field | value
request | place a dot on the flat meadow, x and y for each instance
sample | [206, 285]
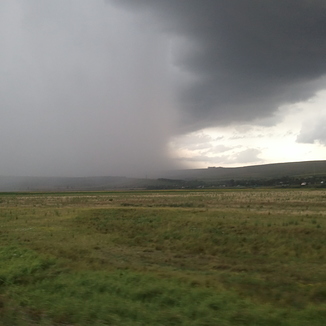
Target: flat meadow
[159, 258]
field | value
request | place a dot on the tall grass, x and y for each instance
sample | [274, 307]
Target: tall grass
[163, 258]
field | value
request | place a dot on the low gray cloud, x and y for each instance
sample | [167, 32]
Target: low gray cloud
[250, 155]
[312, 132]
[244, 156]
[220, 149]
[245, 57]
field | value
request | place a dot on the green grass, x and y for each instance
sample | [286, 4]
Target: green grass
[253, 257]
[47, 294]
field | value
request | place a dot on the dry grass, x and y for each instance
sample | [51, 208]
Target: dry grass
[264, 248]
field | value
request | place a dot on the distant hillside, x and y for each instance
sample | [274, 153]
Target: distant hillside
[64, 183]
[266, 175]
[267, 171]
[22, 184]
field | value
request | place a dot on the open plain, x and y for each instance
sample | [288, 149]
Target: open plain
[200, 257]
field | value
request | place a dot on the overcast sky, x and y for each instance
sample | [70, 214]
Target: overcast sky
[132, 87]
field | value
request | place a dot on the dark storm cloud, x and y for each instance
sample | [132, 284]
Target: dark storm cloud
[88, 88]
[244, 58]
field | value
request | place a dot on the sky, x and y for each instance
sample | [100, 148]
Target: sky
[135, 87]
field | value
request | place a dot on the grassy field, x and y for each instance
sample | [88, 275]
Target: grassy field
[220, 257]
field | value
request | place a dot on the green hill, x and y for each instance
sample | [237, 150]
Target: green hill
[277, 170]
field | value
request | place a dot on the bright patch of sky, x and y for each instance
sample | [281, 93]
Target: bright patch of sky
[294, 136]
